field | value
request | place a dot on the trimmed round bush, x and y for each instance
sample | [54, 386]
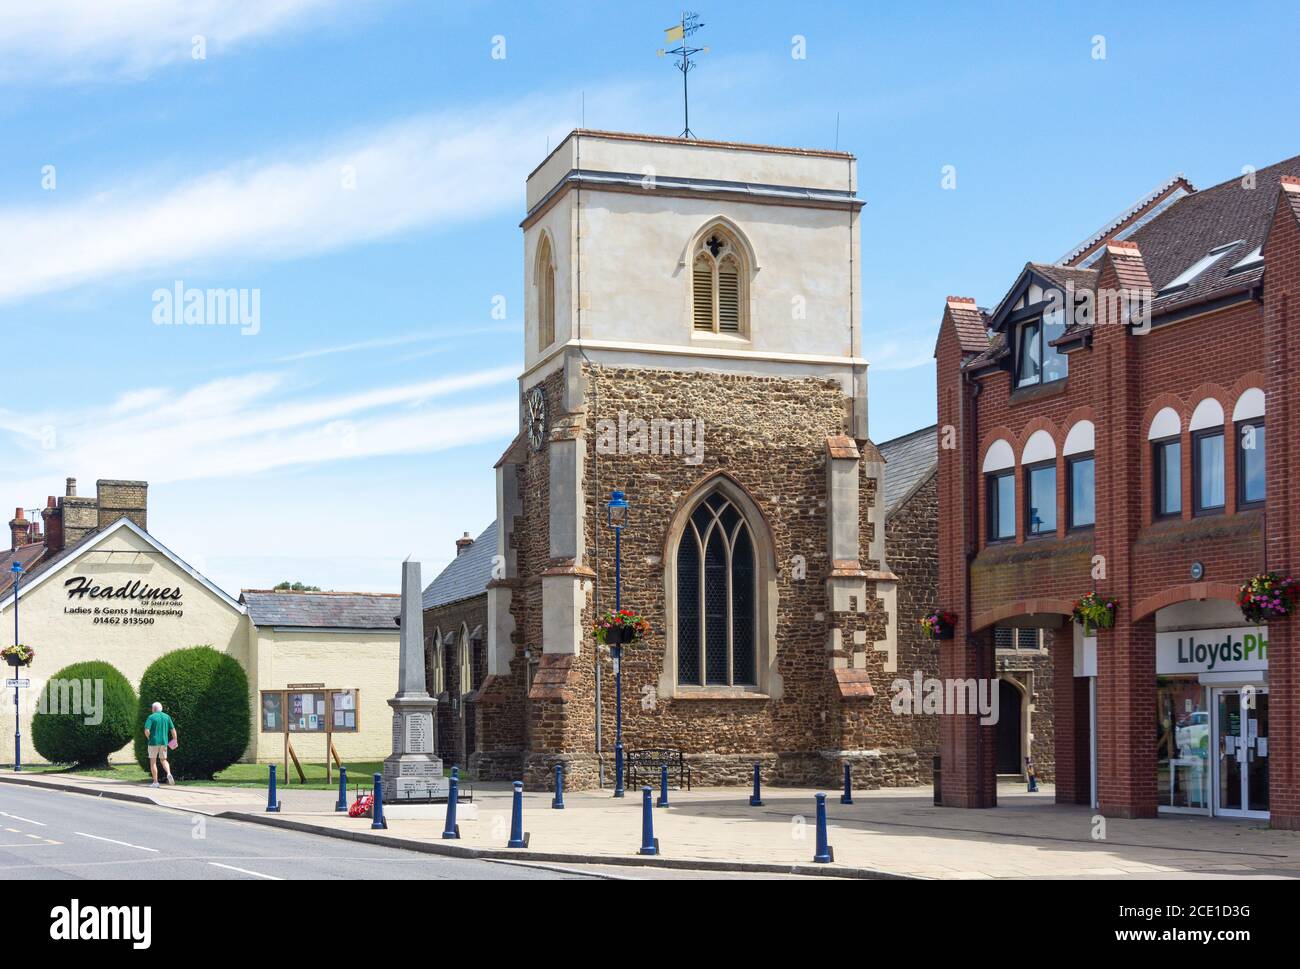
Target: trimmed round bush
[85, 712]
[206, 694]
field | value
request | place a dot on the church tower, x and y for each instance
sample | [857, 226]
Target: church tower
[693, 339]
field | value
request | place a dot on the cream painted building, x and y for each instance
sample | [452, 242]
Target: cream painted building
[118, 595]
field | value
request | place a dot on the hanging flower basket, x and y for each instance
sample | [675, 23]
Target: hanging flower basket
[1094, 611]
[620, 628]
[19, 655]
[1268, 596]
[938, 624]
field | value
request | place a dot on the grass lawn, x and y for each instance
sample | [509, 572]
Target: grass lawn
[237, 775]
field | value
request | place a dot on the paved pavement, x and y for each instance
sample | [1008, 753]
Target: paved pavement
[48, 834]
[891, 833]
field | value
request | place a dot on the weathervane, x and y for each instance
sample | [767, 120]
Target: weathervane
[690, 24]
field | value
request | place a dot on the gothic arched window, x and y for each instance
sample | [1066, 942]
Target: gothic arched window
[718, 284]
[435, 677]
[544, 280]
[717, 597]
[465, 676]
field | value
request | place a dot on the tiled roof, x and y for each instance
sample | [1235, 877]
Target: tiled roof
[997, 349]
[908, 461]
[1127, 221]
[970, 324]
[1066, 275]
[28, 555]
[323, 610]
[467, 575]
[1225, 213]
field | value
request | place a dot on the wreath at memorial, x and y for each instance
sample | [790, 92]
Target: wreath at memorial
[1268, 596]
[19, 655]
[938, 624]
[1094, 612]
[619, 628]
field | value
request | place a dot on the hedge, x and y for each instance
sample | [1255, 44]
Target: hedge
[61, 732]
[206, 694]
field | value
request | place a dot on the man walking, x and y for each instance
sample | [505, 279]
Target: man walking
[159, 730]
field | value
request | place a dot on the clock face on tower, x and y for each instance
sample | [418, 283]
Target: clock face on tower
[535, 418]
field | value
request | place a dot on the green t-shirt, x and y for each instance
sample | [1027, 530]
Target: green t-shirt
[160, 728]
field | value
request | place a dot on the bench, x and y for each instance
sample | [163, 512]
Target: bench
[643, 767]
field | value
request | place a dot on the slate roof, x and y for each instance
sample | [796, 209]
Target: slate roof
[323, 610]
[1198, 223]
[28, 555]
[909, 460]
[467, 575]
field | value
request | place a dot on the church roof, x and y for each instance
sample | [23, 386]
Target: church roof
[909, 462]
[467, 575]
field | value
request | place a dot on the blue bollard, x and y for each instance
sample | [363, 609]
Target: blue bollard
[377, 814]
[451, 830]
[847, 796]
[272, 802]
[517, 837]
[825, 853]
[663, 786]
[455, 771]
[343, 790]
[557, 802]
[649, 843]
[756, 799]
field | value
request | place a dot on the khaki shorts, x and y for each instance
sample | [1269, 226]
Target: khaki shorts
[157, 750]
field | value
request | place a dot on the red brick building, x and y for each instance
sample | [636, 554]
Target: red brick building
[1103, 427]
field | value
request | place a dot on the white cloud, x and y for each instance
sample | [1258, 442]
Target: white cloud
[430, 170]
[81, 39]
[898, 349]
[240, 426]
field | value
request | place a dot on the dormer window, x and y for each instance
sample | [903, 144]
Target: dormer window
[1037, 361]
[718, 285]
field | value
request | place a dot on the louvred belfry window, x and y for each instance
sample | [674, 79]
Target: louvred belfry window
[718, 298]
[716, 597]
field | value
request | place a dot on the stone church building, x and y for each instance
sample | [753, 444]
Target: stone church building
[693, 339]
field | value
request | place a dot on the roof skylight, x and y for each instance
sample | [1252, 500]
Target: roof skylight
[1188, 275]
[1252, 259]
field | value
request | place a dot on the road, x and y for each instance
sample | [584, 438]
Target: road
[47, 834]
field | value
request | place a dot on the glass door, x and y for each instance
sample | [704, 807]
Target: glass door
[1241, 736]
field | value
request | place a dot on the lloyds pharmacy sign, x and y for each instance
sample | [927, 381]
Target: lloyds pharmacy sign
[1244, 648]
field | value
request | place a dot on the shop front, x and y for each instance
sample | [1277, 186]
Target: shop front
[1212, 721]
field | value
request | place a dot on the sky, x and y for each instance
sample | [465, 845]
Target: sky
[354, 171]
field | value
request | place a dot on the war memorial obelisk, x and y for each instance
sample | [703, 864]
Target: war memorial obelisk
[414, 771]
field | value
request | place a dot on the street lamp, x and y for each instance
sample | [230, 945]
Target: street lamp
[17, 570]
[616, 517]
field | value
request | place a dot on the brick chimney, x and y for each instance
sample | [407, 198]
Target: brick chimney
[77, 515]
[463, 543]
[18, 529]
[52, 515]
[122, 499]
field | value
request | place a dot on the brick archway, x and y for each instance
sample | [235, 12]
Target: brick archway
[1021, 607]
[1191, 592]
